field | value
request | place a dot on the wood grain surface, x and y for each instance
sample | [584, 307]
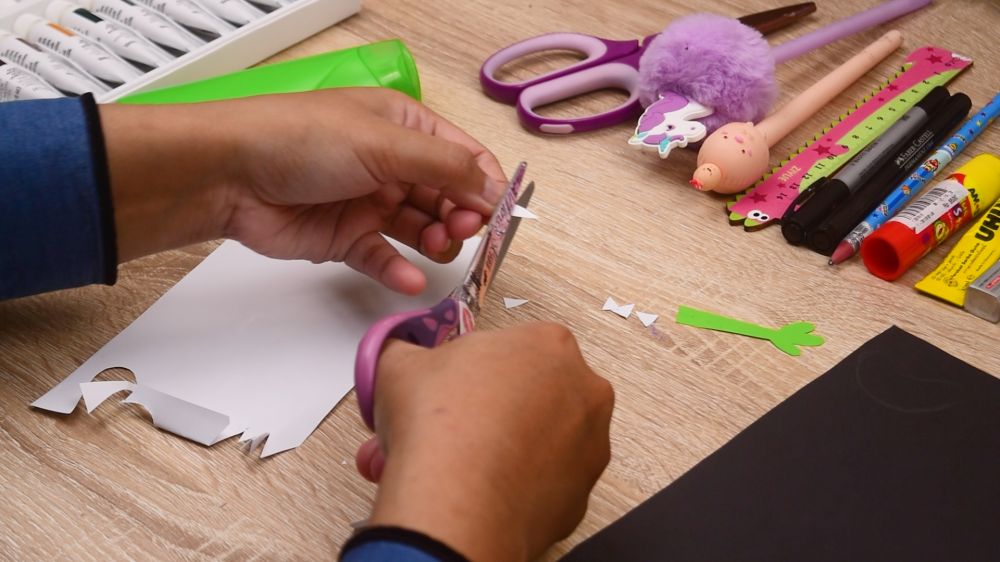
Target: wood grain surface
[613, 222]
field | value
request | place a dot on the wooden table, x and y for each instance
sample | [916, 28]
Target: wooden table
[613, 222]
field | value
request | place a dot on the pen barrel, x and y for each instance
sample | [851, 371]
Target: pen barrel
[806, 104]
[845, 28]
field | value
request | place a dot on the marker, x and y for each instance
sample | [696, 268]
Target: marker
[824, 238]
[123, 42]
[236, 12]
[191, 17]
[155, 27]
[930, 219]
[811, 207]
[19, 84]
[927, 170]
[58, 71]
[93, 58]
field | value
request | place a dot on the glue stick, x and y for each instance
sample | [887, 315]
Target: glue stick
[932, 218]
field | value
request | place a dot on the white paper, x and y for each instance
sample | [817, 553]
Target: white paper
[647, 318]
[522, 212]
[513, 303]
[623, 310]
[263, 347]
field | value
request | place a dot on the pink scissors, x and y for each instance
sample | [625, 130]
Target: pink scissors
[608, 64]
[453, 316]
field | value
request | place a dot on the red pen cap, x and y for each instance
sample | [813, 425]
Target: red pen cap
[891, 250]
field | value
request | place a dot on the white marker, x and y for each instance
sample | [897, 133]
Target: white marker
[55, 69]
[236, 12]
[155, 27]
[19, 84]
[267, 5]
[119, 40]
[90, 56]
[191, 17]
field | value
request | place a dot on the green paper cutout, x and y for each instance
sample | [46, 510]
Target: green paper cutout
[786, 338]
[386, 64]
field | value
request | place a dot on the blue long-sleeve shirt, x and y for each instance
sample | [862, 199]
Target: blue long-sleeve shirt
[57, 231]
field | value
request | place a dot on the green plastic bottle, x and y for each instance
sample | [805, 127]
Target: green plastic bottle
[388, 64]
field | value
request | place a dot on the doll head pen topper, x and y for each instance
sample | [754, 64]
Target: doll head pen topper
[706, 70]
[737, 154]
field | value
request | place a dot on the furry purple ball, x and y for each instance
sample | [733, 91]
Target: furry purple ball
[714, 60]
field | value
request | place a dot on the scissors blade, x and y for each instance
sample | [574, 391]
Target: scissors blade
[522, 202]
[778, 18]
[477, 280]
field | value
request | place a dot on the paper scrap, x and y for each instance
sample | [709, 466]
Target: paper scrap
[523, 213]
[647, 318]
[787, 338]
[513, 303]
[623, 310]
[248, 344]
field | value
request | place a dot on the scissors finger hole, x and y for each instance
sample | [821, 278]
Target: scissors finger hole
[535, 65]
[584, 105]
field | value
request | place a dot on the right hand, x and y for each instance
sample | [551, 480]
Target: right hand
[492, 441]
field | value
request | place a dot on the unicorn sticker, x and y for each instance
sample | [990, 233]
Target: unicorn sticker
[668, 123]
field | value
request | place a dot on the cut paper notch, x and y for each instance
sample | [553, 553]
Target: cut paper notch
[786, 338]
[522, 212]
[513, 303]
[647, 318]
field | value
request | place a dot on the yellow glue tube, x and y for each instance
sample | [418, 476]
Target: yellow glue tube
[978, 249]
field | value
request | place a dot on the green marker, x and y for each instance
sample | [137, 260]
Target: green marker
[386, 64]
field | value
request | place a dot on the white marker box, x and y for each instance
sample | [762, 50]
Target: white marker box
[235, 50]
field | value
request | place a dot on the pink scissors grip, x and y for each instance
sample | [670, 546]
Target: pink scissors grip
[428, 327]
[617, 75]
[595, 49]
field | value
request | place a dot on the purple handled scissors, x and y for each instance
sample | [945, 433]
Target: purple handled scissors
[453, 316]
[608, 64]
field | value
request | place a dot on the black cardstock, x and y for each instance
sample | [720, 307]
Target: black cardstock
[894, 454]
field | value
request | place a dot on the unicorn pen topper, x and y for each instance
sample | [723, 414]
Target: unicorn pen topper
[706, 70]
[737, 154]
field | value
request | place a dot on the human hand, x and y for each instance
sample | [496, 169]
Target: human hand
[491, 451]
[318, 176]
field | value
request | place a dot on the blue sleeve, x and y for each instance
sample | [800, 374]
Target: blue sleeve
[396, 544]
[387, 551]
[56, 222]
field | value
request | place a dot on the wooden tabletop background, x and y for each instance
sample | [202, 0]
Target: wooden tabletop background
[613, 222]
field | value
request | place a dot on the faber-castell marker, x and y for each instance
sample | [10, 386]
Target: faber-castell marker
[924, 173]
[821, 201]
[824, 238]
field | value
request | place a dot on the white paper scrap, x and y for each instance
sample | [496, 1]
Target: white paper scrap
[624, 310]
[513, 303]
[610, 304]
[248, 344]
[523, 213]
[647, 318]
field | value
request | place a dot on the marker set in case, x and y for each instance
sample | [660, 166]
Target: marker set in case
[112, 48]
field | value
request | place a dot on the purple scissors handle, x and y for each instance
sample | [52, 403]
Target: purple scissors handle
[608, 64]
[428, 327]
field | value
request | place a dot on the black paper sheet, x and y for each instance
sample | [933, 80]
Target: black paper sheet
[894, 454]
